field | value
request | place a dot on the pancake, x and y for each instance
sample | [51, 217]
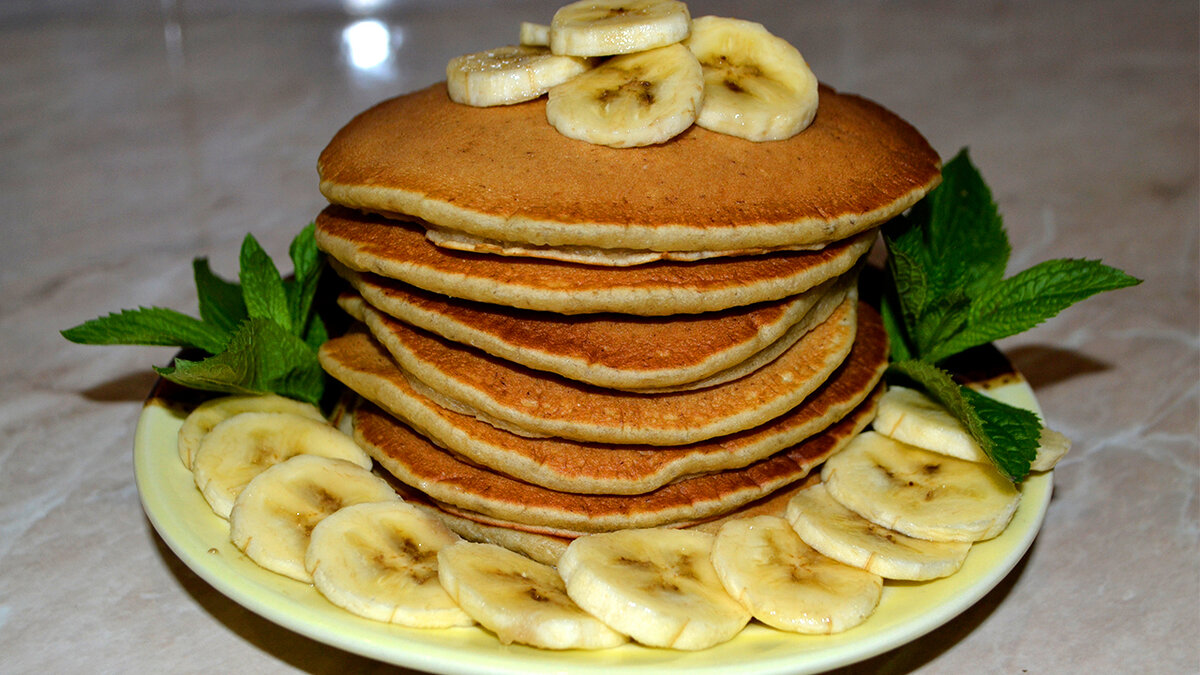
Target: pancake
[497, 499]
[547, 548]
[504, 173]
[588, 255]
[619, 351]
[398, 250]
[589, 468]
[536, 403]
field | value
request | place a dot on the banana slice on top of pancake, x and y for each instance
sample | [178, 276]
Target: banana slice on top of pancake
[379, 560]
[519, 599]
[911, 417]
[656, 585]
[509, 74]
[920, 493]
[756, 86]
[607, 27]
[630, 100]
[788, 585]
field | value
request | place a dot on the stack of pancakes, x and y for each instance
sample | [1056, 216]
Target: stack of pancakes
[559, 338]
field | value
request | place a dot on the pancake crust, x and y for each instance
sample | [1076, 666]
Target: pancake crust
[415, 461]
[503, 173]
[539, 403]
[398, 249]
[619, 351]
[547, 548]
[590, 468]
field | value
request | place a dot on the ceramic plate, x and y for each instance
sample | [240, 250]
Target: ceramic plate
[906, 611]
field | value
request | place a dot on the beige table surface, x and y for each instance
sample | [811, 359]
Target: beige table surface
[135, 135]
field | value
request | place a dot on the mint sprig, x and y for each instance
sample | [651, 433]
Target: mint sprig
[946, 293]
[261, 334]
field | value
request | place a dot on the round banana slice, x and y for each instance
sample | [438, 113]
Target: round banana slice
[507, 75]
[272, 519]
[379, 560]
[656, 585]
[245, 445]
[786, 584]
[756, 85]
[920, 493]
[607, 27]
[631, 100]
[911, 417]
[843, 535]
[214, 411]
[518, 599]
[535, 34]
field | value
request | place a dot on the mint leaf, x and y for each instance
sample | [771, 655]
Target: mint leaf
[261, 357]
[1008, 435]
[963, 232]
[262, 287]
[221, 301]
[1013, 433]
[149, 326]
[1028, 298]
[308, 265]
[893, 323]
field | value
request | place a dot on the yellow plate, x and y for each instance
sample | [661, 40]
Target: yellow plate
[201, 540]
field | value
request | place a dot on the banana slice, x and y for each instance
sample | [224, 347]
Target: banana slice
[911, 417]
[786, 584]
[379, 561]
[607, 27]
[920, 493]
[535, 34]
[507, 75]
[843, 535]
[518, 599]
[656, 585]
[756, 85]
[631, 100]
[245, 445]
[272, 519]
[210, 413]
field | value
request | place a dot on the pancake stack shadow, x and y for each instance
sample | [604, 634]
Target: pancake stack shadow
[605, 339]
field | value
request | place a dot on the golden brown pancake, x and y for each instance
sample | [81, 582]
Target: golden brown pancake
[535, 403]
[505, 174]
[591, 468]
[463, 488]
[398, 249]
[547, 548]
[620, 351]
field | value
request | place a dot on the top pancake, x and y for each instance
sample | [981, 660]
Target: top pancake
[504, 173]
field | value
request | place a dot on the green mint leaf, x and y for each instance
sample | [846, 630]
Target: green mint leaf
[1007, 434]
[907, 270]
[1028, 298]
[962, 230]
[1014, 433]
[262, 287]
[941, 320]
[317, 333]
[261, 357]
[221, 302]
[149, 326]
[893, 323]
[308, 264]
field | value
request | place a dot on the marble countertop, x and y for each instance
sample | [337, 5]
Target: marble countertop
[137, 135]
